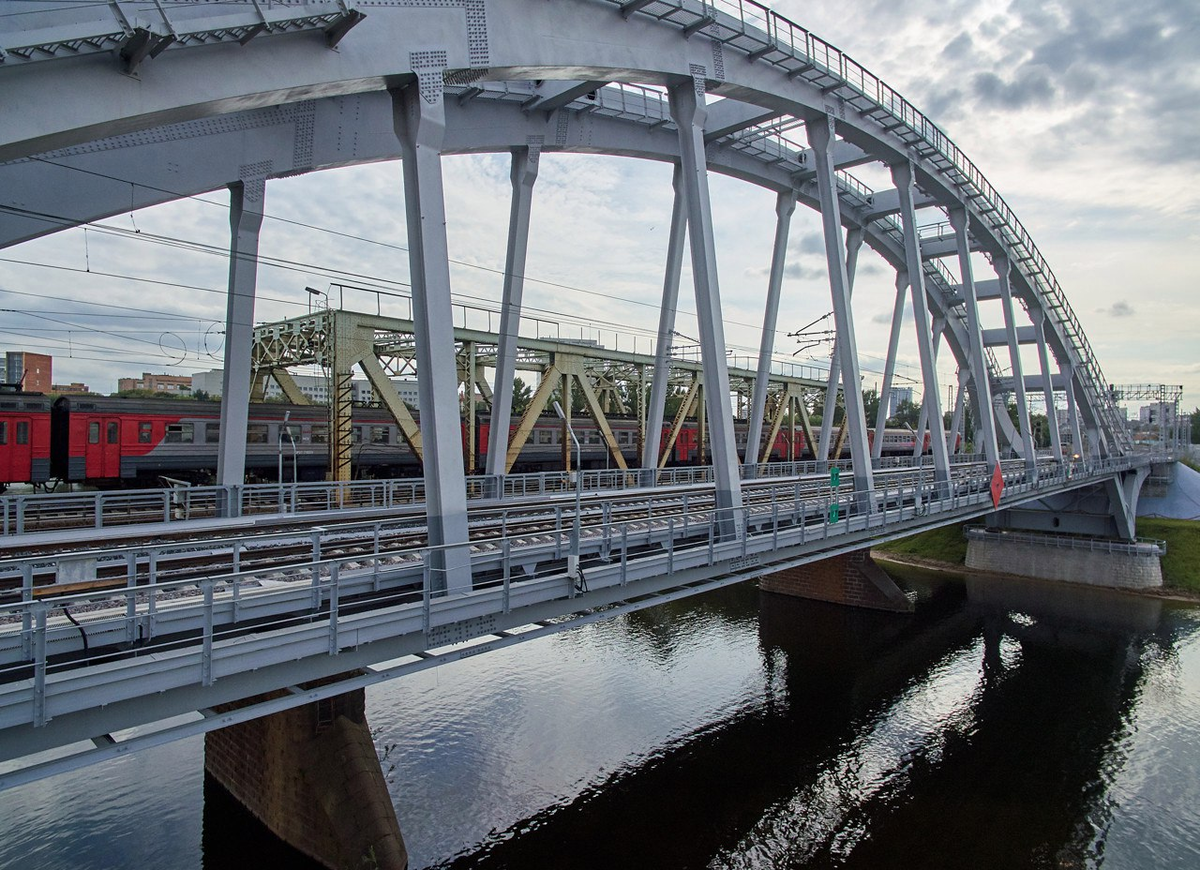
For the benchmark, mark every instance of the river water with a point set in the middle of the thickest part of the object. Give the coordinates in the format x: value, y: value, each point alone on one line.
x: 1001, y: 725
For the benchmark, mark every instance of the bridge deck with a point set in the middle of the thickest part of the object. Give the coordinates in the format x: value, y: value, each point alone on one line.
x: 84, y: 666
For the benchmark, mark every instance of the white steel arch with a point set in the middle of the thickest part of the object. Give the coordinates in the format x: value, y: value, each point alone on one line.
x: 129, y: 68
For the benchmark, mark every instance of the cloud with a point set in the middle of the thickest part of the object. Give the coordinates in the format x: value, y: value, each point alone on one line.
x: 1030, y: 86
x: 1118, y: 309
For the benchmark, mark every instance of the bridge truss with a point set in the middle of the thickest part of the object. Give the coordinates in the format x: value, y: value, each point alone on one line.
x: 157, y: 102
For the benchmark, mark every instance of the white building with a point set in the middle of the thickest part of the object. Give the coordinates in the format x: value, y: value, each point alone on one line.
x: 896, y: 396
x: 313, y: 386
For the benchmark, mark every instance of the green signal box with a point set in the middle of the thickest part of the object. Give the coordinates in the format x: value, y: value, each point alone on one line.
x: 835, y: 476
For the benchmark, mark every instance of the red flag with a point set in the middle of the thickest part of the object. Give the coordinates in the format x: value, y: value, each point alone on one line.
x: 997, y: 486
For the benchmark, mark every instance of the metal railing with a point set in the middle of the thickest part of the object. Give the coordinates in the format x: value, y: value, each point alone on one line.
x: 1139, y: 547
x: 30, y: 512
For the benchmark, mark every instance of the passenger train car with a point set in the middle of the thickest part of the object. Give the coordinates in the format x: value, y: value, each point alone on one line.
x: 133, y: 442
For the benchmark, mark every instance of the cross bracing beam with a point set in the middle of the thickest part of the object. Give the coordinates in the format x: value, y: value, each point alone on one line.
x: 999, y: 337
x: 797, y: 74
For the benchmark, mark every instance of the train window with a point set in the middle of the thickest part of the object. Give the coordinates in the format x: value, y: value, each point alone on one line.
x: 22, y: 433
x: 356, y: 435
x: 114, y: 432
x: 93, y: 433
x: 180, y: 433
x: 256, y: 433
x: 622, y: 437
x: 145, y: 430
x: 320, y: 433
x: 379, y: 435
x: 593, y: 437
x: 291, y: 433
x: 545, y: 436
x: 3, y: 432
x: 212, y: 433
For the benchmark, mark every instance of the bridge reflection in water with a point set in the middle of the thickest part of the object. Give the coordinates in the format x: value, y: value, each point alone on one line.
x: 997, y: 726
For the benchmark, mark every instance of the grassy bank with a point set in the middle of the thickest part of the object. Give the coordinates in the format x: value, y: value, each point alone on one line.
x: 946, y: 544
x: 1180, y: 567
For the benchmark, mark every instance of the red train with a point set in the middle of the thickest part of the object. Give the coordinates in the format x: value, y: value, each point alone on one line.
x: 134, y: 442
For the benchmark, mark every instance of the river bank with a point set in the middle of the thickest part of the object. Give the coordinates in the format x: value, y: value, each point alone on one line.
x: 945, y: 549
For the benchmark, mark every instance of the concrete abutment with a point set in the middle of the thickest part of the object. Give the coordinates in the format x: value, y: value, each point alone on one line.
x: 1090, y: 562
x: 851, y: 579
x: 311, y: 775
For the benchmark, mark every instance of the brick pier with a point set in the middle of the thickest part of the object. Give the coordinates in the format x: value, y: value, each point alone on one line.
x: 852, y: 579
x: 311, y: 775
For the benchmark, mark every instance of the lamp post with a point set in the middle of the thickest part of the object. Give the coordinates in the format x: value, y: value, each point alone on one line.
x: 312, y: 294
x: 573, y: 556
x: 279, y: 455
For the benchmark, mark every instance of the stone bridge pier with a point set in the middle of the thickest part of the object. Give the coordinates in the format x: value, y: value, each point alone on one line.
x: 312, y: 777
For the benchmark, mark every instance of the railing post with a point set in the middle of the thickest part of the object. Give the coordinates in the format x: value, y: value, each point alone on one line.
x: 506, y: 557
x: 39, y: 664
x: 26, y: 614
x: 206, y: 663
x: 333, y: 608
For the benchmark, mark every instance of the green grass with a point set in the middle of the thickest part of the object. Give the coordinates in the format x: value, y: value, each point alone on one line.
x: 946, y: 544
x: 1191, y: 463
x: 1181, y: 565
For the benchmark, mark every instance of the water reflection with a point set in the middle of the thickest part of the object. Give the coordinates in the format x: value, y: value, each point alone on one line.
x: 985, y: 730
x: 1002, y: 724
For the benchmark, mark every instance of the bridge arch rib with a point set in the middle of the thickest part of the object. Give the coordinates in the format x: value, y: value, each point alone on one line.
x: 755, y: 57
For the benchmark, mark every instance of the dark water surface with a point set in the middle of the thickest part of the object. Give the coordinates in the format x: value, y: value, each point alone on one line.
x: 1003, y: 725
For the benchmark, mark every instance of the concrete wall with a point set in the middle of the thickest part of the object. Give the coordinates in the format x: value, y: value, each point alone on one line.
x: 1091, y: 567
x: 312, y: 777
x: 852, y: 579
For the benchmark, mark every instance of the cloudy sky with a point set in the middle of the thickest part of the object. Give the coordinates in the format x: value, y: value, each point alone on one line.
x: 1083, y: 115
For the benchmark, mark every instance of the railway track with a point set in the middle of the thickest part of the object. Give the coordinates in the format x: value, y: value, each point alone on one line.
x: 42, y: 566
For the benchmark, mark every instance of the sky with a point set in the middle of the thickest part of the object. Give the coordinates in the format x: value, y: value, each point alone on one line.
x: 1084, y: 115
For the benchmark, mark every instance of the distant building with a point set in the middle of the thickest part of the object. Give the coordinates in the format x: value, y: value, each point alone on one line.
x: 29, y: 371
x: 313, y: 386
x: 1157, y: 414
x: 896, y: 396
x: 172, y: 384
x: 72, y: 389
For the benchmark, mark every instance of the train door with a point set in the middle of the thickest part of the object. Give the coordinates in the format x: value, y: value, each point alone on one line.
x: 16, y: 449
x: 103, y: 447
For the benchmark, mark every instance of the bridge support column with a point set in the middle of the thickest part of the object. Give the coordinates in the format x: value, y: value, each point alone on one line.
x: 1003, y: 272
x: 311, y: 775
x: 652, y: 443
x: 902, y: 175
x: 245, y: 222
x: 854, y: 240
x: 852, y: 579
x: 889, y: 366
x: 420, y: 123
x: 524, y: 174
x: 785, y: 206
x: 689, y: 113
x: 820, y: 131
x: 1039, y: 328
x: 982, y: 388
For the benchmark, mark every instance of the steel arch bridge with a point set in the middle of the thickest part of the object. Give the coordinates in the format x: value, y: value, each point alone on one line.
x: 155, y: 102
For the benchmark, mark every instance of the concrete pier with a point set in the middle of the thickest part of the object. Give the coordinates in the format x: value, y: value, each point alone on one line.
x: 311, y: 775
x: 1087, y: 561
x: 852, y: 579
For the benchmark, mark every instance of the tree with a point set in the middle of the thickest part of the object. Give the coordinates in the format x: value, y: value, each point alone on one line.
x: 908, y: 413
x: 1196, y: 426
x: 871, y: 405
x: 522, y: 395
